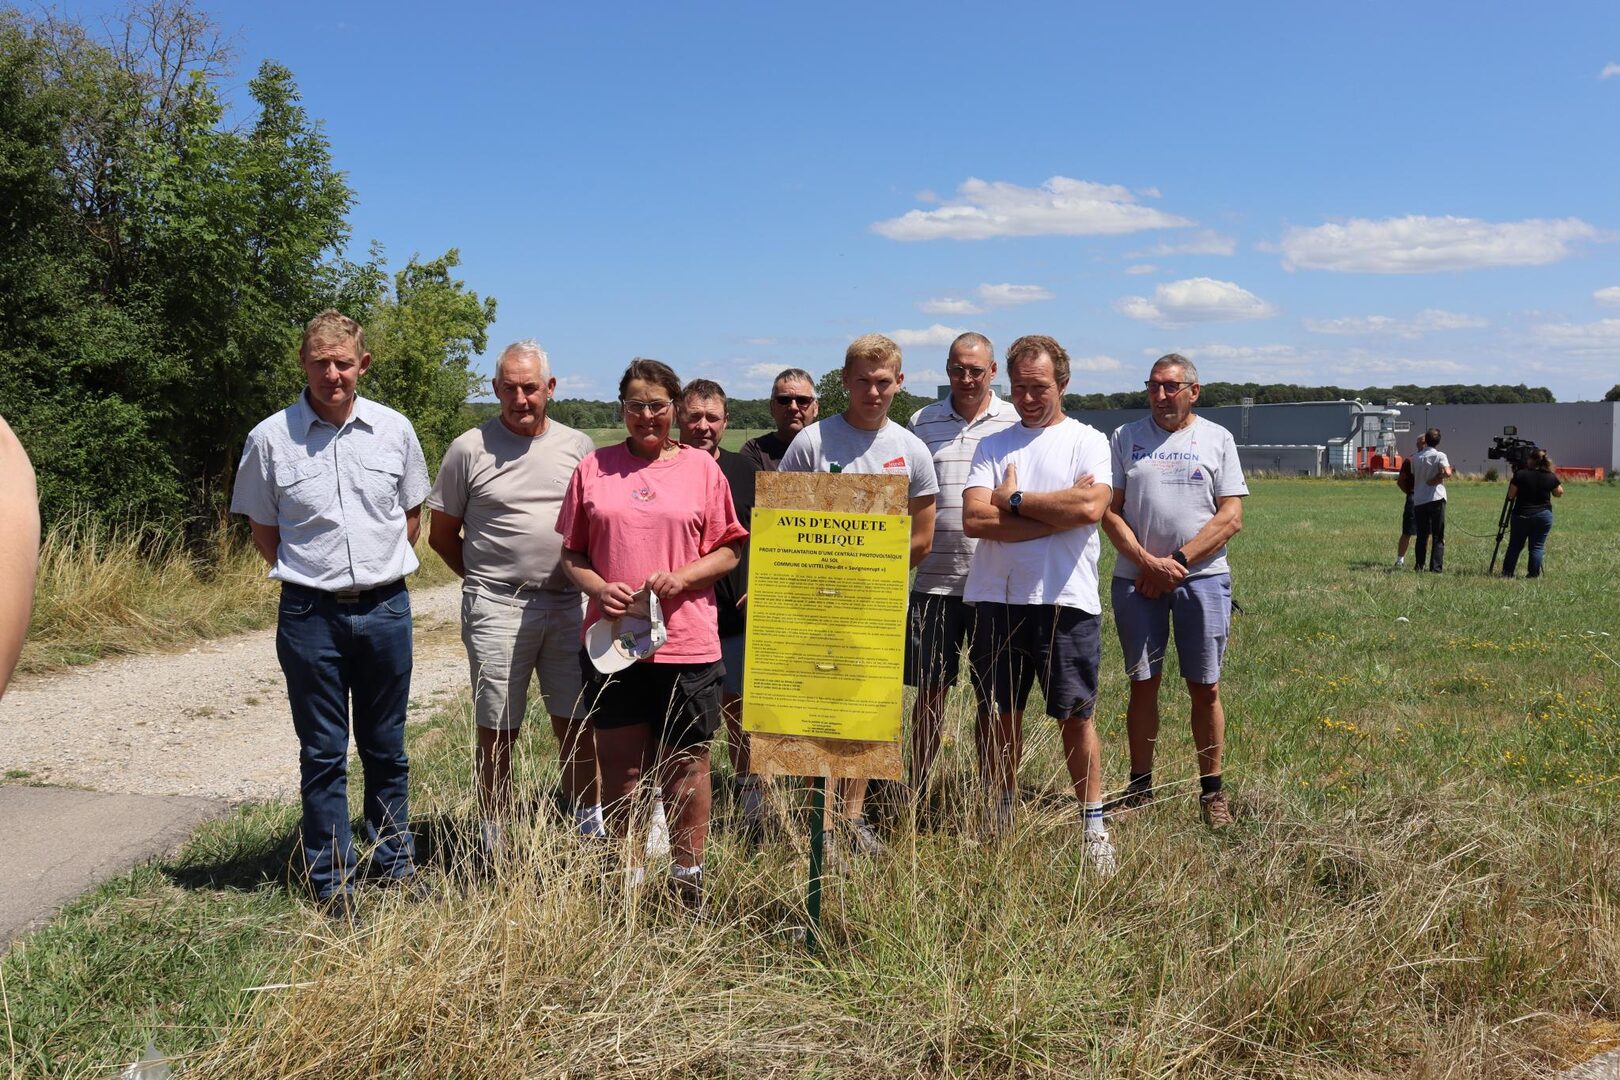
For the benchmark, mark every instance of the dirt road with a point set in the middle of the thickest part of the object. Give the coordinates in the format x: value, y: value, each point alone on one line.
x: 210, y: 722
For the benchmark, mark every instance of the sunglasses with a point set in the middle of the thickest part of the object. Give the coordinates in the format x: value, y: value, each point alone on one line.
x: 803, y: 401
x: 1168, y: 389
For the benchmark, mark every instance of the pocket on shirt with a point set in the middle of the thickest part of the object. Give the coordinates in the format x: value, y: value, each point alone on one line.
x: 302, y: 490
x: 379, y: 478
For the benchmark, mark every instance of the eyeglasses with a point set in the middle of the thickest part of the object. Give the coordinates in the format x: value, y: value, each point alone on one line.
x: 803, y: 401
x: 1168, y: 389
x: 646, y: 408
x: 962, y: 371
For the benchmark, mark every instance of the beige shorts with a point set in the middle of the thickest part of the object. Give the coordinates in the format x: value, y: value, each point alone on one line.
x: 508, y: 639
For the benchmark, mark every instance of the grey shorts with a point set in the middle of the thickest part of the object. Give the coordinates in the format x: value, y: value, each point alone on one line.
x: 509, y: 638
x: 1200, y: 609
x: 732, y: 650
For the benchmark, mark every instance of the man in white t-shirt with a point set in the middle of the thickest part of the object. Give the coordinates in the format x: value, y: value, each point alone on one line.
x: 1430, y: 469
x: 1178, y: 498
x: 495, y: 506
x: 864, y: 440
x: 1033, y: 499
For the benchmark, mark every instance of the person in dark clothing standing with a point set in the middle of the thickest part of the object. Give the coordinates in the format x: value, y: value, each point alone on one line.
x: 1533, y: 489
x: 702, y: 419
x: 794, y: 408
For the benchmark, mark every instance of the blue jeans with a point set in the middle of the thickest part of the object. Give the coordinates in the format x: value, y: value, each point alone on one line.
x: 332, y: 652
x: 1534, y: 527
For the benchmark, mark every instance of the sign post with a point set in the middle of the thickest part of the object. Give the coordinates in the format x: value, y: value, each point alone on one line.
x: 828, y: 573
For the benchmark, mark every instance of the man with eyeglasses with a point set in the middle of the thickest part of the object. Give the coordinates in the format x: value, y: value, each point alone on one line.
x: 1178, y: 498
x: 939, y: 622
x: 793, y: 407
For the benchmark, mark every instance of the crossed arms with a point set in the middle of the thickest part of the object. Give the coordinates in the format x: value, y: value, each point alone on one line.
x: 986, y: 516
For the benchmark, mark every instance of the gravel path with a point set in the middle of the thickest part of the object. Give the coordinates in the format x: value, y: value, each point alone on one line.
x: 212, y: 721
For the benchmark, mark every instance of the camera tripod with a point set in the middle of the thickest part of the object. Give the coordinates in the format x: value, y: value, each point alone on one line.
x: 1501, y: 529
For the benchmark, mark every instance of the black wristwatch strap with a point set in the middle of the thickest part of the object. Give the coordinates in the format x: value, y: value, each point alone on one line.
x: 1179, y: 557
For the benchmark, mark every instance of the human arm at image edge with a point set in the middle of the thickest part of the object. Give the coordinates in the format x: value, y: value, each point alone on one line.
x: 19, y: 548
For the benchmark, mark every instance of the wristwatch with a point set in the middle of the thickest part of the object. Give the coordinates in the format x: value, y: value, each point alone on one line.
x: 1014, y: 501
x: 1179, y: 557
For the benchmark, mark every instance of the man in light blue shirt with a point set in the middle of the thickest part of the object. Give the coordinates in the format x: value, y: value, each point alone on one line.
x: 333, y: 488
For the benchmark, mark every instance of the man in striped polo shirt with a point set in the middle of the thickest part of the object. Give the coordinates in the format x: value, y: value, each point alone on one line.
x: 939, y: 622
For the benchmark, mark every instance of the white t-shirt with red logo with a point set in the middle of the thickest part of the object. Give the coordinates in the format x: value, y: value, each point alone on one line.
x: 834, y: 445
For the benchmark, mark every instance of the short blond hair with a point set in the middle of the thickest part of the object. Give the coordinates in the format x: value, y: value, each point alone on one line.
x: 332, y: 325
x: 875, y: 348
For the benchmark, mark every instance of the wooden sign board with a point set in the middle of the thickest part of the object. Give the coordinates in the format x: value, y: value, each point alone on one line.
x: 858, y: 493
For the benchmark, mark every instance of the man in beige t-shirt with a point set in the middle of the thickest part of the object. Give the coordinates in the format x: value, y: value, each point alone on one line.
x: 495, y: 507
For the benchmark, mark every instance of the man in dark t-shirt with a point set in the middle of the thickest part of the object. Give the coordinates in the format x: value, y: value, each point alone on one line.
x: 793, y: 407
x: 702, y: 418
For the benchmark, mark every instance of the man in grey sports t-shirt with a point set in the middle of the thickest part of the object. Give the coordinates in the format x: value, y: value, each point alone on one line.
x: 864, y: 440
x: 1178, y: 498
x: 495, y: 507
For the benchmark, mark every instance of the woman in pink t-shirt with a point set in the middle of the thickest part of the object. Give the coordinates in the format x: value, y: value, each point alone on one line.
x: 650, y: 512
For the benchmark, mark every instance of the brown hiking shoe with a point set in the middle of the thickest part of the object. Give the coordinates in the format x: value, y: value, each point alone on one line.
x: 1215, y: 810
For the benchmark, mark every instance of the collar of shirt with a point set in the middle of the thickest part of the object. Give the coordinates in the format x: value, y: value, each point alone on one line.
x: 305, y: 416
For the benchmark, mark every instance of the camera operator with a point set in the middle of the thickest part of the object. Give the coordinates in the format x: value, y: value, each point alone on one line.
x: 1430, y: 468
x: 1532, y: 491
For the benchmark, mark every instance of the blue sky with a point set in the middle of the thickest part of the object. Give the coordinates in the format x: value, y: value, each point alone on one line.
x: 1356, y: 194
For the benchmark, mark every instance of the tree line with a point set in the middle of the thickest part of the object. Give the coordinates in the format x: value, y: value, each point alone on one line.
x: 158, y: 263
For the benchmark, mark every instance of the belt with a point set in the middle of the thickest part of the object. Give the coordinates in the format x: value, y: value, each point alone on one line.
x: 354, y: 596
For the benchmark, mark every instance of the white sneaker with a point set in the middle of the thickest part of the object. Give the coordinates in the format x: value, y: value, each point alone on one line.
x: 658, y: 833
x: 1100, y: 854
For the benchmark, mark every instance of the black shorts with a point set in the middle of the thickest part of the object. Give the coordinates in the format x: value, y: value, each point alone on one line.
x: 1408, y: 519
x: 936, y: 629
x: 1015, y: 644
x: 681, y: 701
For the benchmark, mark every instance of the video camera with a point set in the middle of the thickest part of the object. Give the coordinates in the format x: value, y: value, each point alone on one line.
x: 1510, y: 448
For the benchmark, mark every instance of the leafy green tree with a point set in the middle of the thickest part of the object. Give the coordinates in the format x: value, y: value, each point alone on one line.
x: 1613, y: 394
x: 423, y: 334
x: 831, y: 393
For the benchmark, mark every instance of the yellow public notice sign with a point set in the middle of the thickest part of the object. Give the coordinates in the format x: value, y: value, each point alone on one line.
x: 826, y: 623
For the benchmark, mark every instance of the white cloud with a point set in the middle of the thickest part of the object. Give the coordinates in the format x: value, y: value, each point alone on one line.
x: 1203, y: 242
x: 936, y: 334
x: 1195, y: 300
x: 1093, y: 363
x: 1609, y: 71
x: 1426, y: 321
x: 1609, y: 296
x: 759, y: 341
x: 1593, y: 339
x: 1352, y: 367
x: 1011, y: 295
x: 949, y: 305
x: 575, y: 386
x: 766, y: 371
x: 1420, y: 245
x: 1060, y: 207
x: 1141, y: 268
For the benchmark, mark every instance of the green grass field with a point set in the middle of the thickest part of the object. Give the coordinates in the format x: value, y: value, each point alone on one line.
x: 1421, y: 882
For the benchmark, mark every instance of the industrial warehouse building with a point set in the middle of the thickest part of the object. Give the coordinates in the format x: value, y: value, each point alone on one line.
x: 1311, y: 438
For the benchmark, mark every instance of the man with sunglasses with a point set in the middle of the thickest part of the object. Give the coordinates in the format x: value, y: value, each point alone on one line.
x: 939, y: 621
x: 1178, y: 498
x: 793, y: 407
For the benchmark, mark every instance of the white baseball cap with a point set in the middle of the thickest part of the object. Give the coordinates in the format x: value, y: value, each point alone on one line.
x: 615, y: 644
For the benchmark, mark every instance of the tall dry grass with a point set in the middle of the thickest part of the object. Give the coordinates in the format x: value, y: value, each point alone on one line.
x: 137, y: 590
x: 134, y: 590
